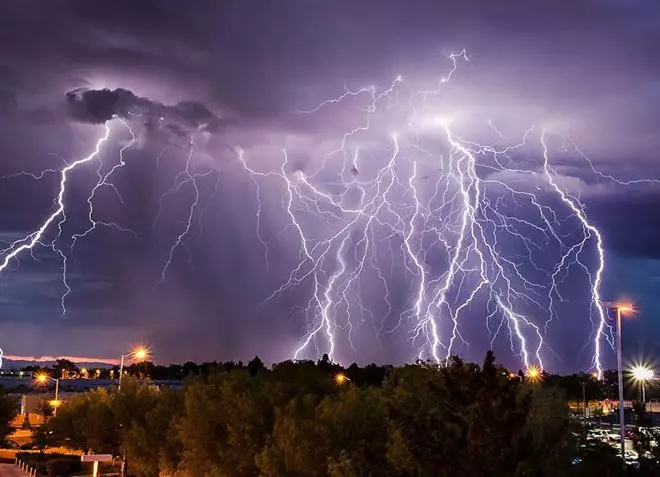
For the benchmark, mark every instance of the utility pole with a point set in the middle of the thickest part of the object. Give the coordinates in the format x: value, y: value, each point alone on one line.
x: 584, y: 403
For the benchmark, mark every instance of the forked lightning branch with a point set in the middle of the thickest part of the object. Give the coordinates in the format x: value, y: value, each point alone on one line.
x: 404, y: 201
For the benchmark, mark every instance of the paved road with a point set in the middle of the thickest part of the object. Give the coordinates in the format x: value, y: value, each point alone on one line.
x: 10, y: 470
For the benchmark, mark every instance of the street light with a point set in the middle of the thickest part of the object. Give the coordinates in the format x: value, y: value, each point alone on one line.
x: 533, y: 374
x: 584, y: 383
x: 620, y: 309
x: 641, y: 374
x: 43, y: 378
x: 341, y: 378
x: 139, y: 354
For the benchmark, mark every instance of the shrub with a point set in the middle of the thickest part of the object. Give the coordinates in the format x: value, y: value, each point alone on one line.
x: 63, y: 467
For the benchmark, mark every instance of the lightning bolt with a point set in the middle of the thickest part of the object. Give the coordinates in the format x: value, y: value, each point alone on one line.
x: 190, y: 177
x: 446, y: 213
x: 403, y: 225
x: 34, y: 238
x: 49, y: 234
x: 589, y: 231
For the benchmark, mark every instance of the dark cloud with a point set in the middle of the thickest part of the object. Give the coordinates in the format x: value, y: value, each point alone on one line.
x: 630, y: 221
x: 98, y: 106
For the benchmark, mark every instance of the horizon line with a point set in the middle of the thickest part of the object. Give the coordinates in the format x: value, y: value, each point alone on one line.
x: 75, y: 359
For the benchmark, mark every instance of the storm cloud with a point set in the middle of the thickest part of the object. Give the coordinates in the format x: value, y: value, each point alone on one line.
x: 234, y: 73
x: 98, y: 106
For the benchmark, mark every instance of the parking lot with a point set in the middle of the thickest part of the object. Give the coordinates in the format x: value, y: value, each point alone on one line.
x: 611, y: 436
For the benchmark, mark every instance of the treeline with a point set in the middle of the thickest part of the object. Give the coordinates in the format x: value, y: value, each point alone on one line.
x: 176, y: 372
x: 301, y: 419
x: 576, y: 387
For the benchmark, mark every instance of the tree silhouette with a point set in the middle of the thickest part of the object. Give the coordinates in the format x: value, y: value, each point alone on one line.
x: 255, y: 366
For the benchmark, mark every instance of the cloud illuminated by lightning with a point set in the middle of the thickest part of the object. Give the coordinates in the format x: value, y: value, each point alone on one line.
x: 439, y: 206
x: 402, y: 198
x: 49, y: 233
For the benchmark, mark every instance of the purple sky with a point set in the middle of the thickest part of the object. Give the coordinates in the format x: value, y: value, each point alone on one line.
x: 232, y: 74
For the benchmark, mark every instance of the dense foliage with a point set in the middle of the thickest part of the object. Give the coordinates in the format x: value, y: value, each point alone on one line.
x: 55, y: 465
x: 8, y: 410
x: 297, y: 419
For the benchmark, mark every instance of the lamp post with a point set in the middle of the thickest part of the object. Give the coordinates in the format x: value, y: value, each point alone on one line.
x: 620, y: 309
x: 140, y: 353
x: 584, y: 403
x: 43, y: 379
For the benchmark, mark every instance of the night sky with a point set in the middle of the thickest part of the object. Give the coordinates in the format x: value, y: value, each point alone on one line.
x: 234, y: 76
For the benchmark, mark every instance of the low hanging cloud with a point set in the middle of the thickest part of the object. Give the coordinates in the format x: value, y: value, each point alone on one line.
x: 97, y: 106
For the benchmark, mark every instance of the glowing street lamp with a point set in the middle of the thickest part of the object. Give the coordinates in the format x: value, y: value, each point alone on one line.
x: 620, y: 308
x: 641, y: 374
x: 341, y: 378
x: 140, y: 354
x: 533, y: 374
x: 43, y: 378
x: 55, y: 403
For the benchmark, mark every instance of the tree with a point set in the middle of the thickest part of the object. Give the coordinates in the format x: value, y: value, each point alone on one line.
x: 99, y: 425
x: 610, y: 384
x: 298, y: 445
x: 45, y: 409
x: 641, y: 419
x: 143, y: 369
x: 425, y: 428
x: 255, y: 366
x: 227, y: 419
x: 342, y: 435
x: 8, y: 411
x: 42, y: 437
x: 64, y: 366
x: 287, y: 380
x: 87, y: 422
x: 26, y: 422
x: 357, y: 431
x: 152, y: 446
x: 466, y: 420
x: 190, y: 369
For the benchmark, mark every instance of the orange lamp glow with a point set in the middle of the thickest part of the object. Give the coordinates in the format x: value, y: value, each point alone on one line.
x: 625, y: 307
x: 340, y: 378
x: 533, y: 374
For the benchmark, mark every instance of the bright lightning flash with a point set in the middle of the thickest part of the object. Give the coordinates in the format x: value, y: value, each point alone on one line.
x: 401, y: 198
x: 49, y: 234
x: 427, y: 203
